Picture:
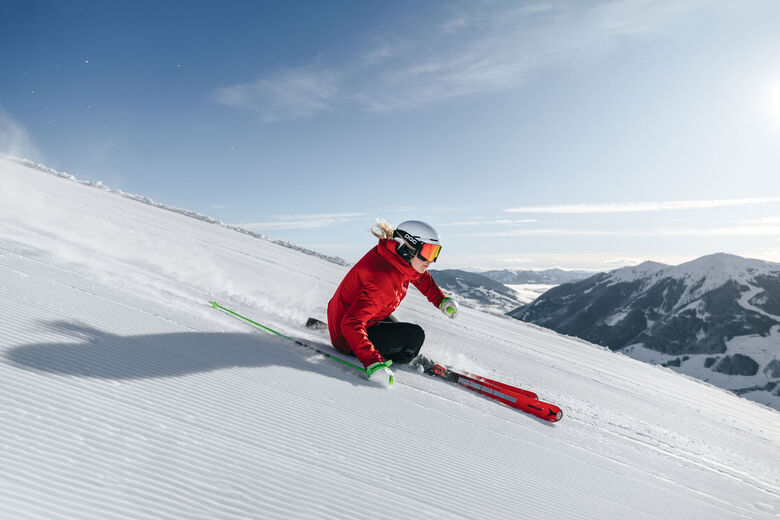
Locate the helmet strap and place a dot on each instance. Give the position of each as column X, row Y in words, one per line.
column 405, row 252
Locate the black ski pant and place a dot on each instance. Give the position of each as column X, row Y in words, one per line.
column 395, row 340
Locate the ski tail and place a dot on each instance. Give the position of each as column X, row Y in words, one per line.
column 503, row 394
column 314, row 323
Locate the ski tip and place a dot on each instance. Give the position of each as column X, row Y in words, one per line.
column 214, row 304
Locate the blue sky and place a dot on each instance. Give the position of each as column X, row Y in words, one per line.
column 577, row 134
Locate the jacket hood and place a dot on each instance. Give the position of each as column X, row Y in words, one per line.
column 386, row 249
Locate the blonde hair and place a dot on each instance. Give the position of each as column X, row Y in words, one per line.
column 382, row 229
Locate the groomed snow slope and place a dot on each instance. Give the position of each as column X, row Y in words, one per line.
column 124, row 395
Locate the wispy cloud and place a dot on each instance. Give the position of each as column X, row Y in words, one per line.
column 490, row 222
column 471, row 48
column 303, row 221
column 637, row 207
column 320, row 216
column 764, row 221
column 286, row 94
column 552, row 232
column 737, row 231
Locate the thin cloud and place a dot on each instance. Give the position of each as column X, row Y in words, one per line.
column 487, row 50
column 638, row 207
column 286, row 94
column 471, row 49
column 613, row 263
column 321, row 216
column 293, row 224
column 303, row 221
column 758, row 230
column 765, row 220
column 491, row 222
column 553, row 232
column 739, row 231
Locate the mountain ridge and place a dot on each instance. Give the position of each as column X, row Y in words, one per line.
column 715, row 314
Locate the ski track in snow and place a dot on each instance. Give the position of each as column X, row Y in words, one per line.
column 124, row 395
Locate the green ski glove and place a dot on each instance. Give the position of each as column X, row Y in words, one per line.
column 380, row 373
column 449, row 307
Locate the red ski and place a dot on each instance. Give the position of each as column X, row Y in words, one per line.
column 508, row 388
column 503, row 393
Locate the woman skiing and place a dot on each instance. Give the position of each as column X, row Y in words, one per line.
column 359, row 314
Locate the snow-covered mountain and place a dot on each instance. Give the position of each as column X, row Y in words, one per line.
column 124, row 395
column 716, row 318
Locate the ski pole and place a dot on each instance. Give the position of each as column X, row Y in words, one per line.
column 297, row 342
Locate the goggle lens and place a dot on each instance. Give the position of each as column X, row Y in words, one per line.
column 429, row 252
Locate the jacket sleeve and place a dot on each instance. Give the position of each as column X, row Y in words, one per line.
column 428, row 287
column 353, row 325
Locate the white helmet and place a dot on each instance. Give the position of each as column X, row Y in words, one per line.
column 417, row 238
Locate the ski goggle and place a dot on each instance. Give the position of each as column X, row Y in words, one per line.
column 429, row 252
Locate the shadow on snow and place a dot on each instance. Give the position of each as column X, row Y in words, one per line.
column 100, row 354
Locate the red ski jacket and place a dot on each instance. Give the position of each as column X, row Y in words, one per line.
column 370, row 292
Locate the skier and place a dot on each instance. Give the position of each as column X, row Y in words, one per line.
column 359, row 314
